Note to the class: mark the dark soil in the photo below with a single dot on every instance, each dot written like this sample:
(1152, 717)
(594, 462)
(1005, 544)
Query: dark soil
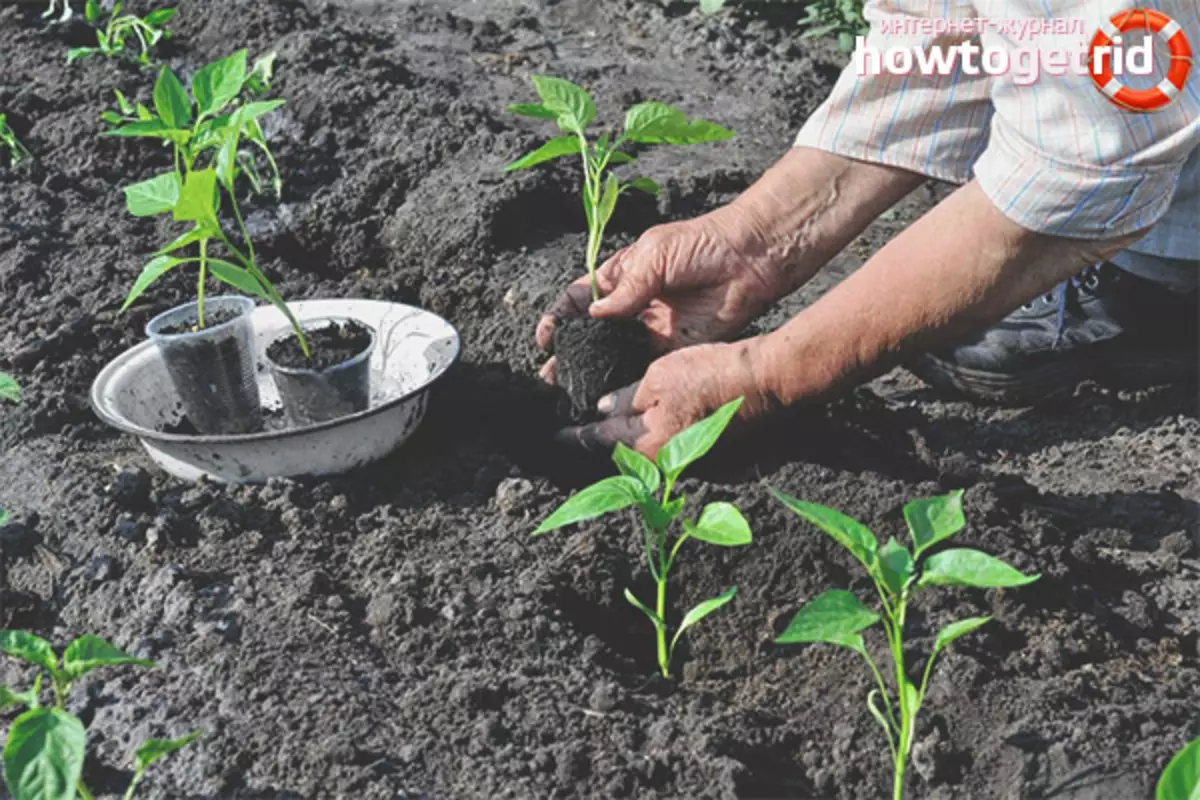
(595, 357)
(396, 633)
(211, 320)
(331, 345)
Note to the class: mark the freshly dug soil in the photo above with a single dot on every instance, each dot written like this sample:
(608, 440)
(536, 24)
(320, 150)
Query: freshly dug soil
(396, 633)
(211, 320)
(595, 357)
(331, 345)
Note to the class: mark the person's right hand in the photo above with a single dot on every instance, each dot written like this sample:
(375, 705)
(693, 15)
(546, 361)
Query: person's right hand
(691, 282)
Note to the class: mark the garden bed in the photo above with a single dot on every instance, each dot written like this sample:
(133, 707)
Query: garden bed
(396, 633)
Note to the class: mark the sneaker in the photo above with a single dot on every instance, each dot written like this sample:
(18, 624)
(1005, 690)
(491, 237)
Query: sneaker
(1104, 324)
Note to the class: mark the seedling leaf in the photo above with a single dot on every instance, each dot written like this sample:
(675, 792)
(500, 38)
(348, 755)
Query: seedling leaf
(657, 516)
(154, 269)
(9, 698)
(91, 10)
(1181, 779)
(934, 519)
(171, 100)
(700, 612)
(235, 276)
(555, 148)
(608, 200)
(711, 6)
(618, 157)
(692, 444)
(43, 757)
(76, 53)
(640, 606)
(10, 390)
(91, 652)
(218, 83)
(197, 199)
(658, 123)
(836, 617)
(154, 749)
(635, 465)
(159, 17)
(721, 524)
(895, 566)
(534, 110)
(849, 533)
(201, 231)
(645, 185)
(572, 105)
(963, 567)
(30, 649)
(610, 494)
(957, 629)
(155, 196)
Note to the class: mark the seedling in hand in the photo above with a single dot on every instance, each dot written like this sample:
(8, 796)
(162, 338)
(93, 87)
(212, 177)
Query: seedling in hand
(124, 34)
(44, 753)
(638, 486)
(205, 131)
(646, 123)
(838, 617)
(9, 141)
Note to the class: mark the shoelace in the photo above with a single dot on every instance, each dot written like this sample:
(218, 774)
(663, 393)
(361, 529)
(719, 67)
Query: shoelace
(1088, 281)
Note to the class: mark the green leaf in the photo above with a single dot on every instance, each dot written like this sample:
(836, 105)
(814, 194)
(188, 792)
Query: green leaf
(873, 698)
(154, 269)
(235, 276)
(658, 123)
(258, 82)
(555, 148)
(711, 6)
(956, 629)
(964, 567)
(158, 195)
(91, 10)
(43, 757)
(159, 17)
(640, 606)
(692, 444)
(1181, 779)
(201, 231)
(151, 129)
(720, 524)
(571, 103)
(701, 611)
(849, 533)
(215, 85)
(171, 100)
(934, 519)
(658, 517)
(608, 200)
(10, 390)
(30, 649)
(111, 117)
(644, 185)
(610, 494)
(123, 102)
(836, 617)
(252, 111)
(76, 53)
(197, 199)
(535, 110)
(635, 465)
(9, 698)
(91, 652)
(154, 749)
(618, 157)
(912, 697)
(895, 566)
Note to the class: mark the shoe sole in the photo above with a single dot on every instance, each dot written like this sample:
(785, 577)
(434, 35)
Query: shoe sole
(1052, 380)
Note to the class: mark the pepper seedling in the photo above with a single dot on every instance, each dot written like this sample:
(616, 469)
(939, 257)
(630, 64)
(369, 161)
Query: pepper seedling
(645, 123)
(1181, 778)
(839, 617)
(10, 390)
(205, 130)
(17, 152)
(638, 486)
(124, 34)
(46, 745)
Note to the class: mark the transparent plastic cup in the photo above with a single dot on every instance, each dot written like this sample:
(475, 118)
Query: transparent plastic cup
(311, 396)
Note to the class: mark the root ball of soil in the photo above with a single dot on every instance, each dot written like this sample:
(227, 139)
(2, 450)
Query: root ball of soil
(596, 357)
(332, 344)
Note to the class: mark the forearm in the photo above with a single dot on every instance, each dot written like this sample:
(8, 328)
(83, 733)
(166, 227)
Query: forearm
(960, 268)
(807, 207)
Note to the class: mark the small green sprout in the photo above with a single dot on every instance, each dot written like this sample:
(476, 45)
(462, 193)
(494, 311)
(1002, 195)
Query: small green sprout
(17, 152)
(205, 131)
(44, 753)
(838, 617)
(124, 34)
(10, 390)
(1181, 779)
(646, 123)
(638, 486)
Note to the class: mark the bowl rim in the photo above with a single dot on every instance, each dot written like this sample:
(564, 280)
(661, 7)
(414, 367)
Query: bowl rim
(121, 424)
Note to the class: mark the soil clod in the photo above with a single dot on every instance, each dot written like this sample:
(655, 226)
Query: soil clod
(596, 357)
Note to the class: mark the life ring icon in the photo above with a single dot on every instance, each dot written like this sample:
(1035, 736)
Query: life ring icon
(1166, 29)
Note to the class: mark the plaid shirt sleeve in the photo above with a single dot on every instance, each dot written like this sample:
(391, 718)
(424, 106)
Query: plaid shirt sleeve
(1055, 156)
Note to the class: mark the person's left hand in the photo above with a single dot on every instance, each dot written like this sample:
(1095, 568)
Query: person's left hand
(678, 390)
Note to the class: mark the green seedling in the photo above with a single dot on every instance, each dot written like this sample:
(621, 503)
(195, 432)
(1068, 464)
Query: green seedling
(638, 487)
(1181, 779)
(205, 130)
(44, 753)
(17, 152)
(842, 18)
(124, 34)
(646, 123)
(9, 389)
(839, 617)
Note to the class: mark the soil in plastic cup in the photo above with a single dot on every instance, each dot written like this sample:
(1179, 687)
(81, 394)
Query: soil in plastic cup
(312, 396)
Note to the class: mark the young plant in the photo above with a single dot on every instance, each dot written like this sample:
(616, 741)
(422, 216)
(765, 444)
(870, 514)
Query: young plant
(638, 486)
(9, 141)
(9, 389)
(646, 123)
(44, 753)
(838, 617)
(1181, 779)
(205, 130)
(123, 34)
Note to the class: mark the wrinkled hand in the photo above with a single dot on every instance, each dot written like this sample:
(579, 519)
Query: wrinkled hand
(679, 390)
(702, 280)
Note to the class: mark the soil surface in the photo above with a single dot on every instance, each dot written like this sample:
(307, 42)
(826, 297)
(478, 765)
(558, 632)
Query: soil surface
(211, 320)
(396, 632)
(595, 357)
(331, 344)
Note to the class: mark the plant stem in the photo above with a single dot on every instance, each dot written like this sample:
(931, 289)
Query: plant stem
(133, 784)
(908, 714)
(84, 794)
(200, 282)
(663, 657)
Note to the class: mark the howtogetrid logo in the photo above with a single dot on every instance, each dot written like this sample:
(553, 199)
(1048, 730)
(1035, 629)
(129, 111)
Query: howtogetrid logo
(1106, 45)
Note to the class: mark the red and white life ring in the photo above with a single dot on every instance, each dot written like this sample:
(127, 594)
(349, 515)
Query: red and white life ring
(1166, 29)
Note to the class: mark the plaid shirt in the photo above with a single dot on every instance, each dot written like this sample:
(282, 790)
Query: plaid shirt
(1055, 156)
